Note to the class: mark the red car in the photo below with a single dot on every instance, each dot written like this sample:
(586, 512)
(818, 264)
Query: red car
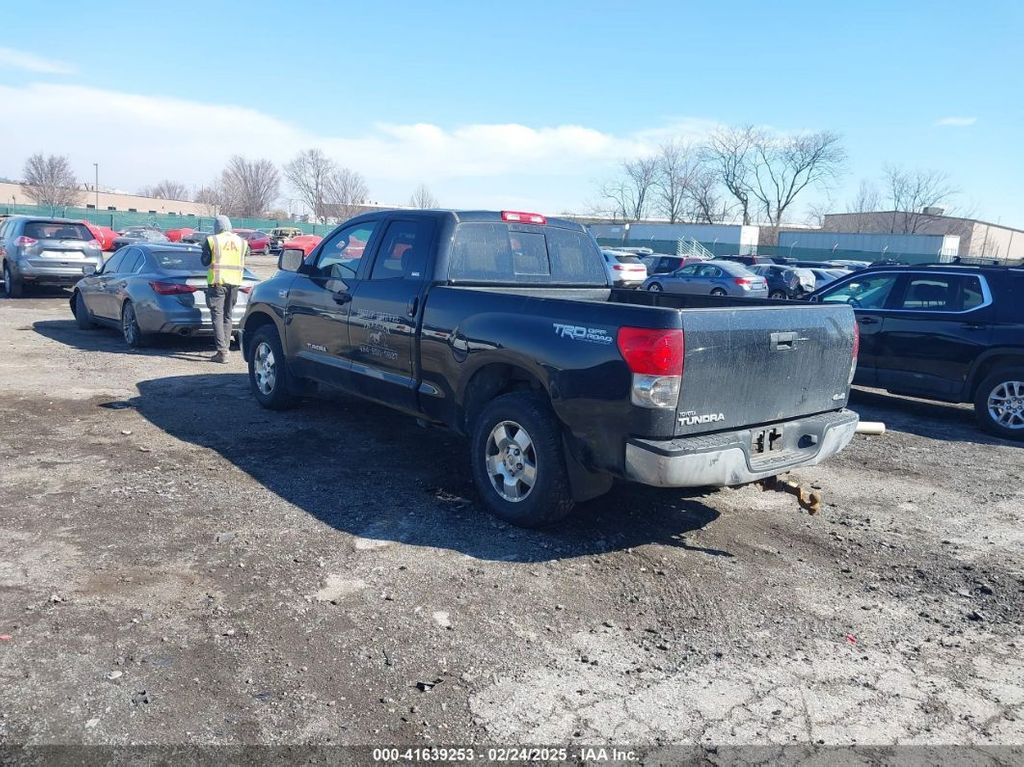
(259, 242)
(175, 235)
(304, 242)
(104, 235)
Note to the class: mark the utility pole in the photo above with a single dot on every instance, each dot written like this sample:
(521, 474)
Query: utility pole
(96, 186)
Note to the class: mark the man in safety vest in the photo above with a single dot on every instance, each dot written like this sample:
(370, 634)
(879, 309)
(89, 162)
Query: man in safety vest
(224, 253)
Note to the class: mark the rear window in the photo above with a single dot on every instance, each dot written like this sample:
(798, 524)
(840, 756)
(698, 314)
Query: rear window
(185, 260)
(626, 259)
(519, 254)
(56, 230)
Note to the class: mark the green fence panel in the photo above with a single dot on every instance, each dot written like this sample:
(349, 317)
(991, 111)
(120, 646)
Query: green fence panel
(119, 219)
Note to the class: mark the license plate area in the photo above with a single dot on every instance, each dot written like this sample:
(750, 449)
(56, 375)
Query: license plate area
(766, 441)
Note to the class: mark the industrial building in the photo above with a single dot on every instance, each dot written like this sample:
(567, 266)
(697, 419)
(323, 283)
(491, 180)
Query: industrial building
(13, 195)
(978, 239)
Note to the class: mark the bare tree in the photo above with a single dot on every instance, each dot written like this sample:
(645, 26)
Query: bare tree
(423, 198)
(209, 196)
(310, 175)
(911, 191)
(51, 181)
(346, 191)
(675, 173)
(867, 199)
(327, 189)
(705, 203)
(248, 187)
(786, 166)
(629, 196)
(730, 153)
(166, 190)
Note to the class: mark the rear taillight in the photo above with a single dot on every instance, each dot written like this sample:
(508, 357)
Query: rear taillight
(655, 357)
(24, 242)
(172, 288)
(517, 216)
(246, 288)
(618, 267)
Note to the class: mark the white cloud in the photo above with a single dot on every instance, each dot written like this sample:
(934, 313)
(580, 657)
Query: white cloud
(139, 139)
(956, 122)
(14, 59)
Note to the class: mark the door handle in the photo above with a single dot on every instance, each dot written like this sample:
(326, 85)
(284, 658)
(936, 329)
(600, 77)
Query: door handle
(342, 297)
(412, 306)
(974, 326)
(867, 320)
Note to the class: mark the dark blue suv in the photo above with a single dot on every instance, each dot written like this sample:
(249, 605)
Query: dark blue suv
(943, 332)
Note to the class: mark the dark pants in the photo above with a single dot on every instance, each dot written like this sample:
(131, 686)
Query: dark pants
(221, 300)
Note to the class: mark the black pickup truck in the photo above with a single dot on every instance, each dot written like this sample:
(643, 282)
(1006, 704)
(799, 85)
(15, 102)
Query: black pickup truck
(502, 326)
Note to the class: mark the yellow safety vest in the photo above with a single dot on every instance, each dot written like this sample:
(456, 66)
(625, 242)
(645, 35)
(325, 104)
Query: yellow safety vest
(228, 259)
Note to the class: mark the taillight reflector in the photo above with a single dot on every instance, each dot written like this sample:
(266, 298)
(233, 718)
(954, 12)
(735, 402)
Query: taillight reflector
(856, 339)
(172, 288)
(523, 218)
(24, 241)
(652, 352)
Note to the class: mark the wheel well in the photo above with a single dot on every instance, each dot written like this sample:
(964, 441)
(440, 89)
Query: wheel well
(993, 363)
(255, 321)
(492, 381)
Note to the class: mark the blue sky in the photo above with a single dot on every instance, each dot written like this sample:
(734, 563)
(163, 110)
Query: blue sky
(526, 103)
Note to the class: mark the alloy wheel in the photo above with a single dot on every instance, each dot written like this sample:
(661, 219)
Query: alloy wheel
(511, 460)
(1006, 404)
(264, 368)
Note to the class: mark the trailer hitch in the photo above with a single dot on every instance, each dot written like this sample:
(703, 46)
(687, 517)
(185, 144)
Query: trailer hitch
(809, 500)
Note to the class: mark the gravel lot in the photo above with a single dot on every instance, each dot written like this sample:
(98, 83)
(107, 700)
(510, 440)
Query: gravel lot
(193, 569)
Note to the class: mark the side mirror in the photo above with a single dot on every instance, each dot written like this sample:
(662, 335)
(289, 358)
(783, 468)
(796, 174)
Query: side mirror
(290, 260)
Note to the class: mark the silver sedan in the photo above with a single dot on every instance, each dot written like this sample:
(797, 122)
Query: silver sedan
(148, 289)
(714, 278)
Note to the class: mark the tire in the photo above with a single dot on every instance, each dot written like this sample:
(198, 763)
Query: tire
(778, 295)
(130, 330)
(268, 372)
(521, 427)
(12, 288)
(999, 403)
(82, 313)
(718, 292)
(655, 287)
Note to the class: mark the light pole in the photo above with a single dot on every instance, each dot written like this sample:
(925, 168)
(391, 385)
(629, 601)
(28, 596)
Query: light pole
(96, 186)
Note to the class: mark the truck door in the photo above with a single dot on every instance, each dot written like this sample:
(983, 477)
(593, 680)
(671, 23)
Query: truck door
(385, 312)
(319, 304)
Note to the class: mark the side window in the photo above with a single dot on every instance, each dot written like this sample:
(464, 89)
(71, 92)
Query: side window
(403, 251)
(972, 294)
(688, 271)
(709, 271)
(942, 293)
(930, 294)
(131, 262)
(114, 264)
(868, 292)
(340, 253)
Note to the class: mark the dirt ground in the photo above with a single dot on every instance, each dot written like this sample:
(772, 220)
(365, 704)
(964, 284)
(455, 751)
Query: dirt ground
(192, 569)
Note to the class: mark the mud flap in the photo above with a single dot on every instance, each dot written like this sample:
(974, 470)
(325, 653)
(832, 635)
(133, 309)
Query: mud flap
(584, 483)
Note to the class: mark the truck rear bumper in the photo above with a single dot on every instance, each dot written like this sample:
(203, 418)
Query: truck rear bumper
(737, 457)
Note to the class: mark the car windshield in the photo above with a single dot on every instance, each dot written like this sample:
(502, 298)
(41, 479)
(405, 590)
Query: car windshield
(183, 260)
(57, 230)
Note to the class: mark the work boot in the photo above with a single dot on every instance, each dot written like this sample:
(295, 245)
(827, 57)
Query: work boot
(219, 357)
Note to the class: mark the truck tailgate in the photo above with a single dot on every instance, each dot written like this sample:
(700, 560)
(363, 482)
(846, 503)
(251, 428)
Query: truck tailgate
(759, 364)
